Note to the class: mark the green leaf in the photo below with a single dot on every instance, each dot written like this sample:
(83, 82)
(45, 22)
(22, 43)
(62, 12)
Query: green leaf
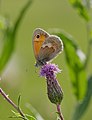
(82, 106)
(29, 117)
(16, 115)
(9, 42)
(75, 59)
(81, 8)
(19, 98)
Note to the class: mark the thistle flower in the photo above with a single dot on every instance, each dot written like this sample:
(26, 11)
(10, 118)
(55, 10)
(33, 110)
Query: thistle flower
(55, 93)
(49, 70)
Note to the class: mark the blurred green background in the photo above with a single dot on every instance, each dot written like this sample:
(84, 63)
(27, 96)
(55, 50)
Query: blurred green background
(19, 76)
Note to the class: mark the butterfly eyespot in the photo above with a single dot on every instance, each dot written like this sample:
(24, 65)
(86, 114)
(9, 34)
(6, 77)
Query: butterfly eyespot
(37, 36)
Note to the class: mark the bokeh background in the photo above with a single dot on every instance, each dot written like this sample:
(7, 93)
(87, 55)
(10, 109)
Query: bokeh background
(21, 77)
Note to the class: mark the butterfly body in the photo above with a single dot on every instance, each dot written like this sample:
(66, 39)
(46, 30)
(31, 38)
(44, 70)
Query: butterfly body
(45, 46)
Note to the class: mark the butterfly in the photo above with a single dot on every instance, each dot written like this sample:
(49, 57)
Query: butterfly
(45, 46)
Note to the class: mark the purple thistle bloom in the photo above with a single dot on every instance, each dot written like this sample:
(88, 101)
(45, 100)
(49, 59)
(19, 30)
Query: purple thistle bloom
(49, 71)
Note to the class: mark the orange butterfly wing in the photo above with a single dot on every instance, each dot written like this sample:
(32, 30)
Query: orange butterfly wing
(37, 44)
(39, 37)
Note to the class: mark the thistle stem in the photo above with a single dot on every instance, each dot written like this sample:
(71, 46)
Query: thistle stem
(11, 102)
(59, 112)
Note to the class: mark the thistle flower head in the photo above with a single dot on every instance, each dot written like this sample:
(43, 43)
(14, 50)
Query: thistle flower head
(49, 71)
